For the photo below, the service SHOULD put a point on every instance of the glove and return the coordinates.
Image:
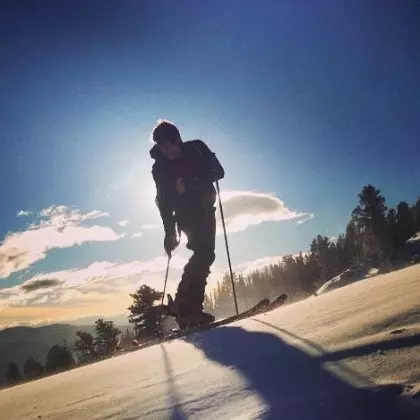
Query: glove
(170, 242)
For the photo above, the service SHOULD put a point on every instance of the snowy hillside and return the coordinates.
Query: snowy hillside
(410, 251)
(347, 354)
(408, 254)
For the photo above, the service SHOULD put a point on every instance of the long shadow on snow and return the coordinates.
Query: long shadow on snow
(174, 400)
(363, 350)
(294, 385)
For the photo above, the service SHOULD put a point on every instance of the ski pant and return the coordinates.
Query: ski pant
(200, 229)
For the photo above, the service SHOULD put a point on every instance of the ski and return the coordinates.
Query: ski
(170, 329)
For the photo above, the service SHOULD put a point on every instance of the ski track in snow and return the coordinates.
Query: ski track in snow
(348, 354)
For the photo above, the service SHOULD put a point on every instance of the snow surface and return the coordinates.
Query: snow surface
(348, 354)
(415, 238)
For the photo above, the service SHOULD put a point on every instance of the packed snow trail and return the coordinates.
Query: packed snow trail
(347, 354)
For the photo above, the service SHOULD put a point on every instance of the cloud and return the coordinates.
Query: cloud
(243, 209)
(106, 271)
(56, 227)
(95, 214)
(102, 285)
(64, 214)
(40, 284)
(22, 213)
(143, 228)
(97, 275)
(100, 289)
(308, 217)
(123, 223)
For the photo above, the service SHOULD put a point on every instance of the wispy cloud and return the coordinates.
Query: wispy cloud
(56, 227)
(64, 214)
(243, 209)
(123, 223)
(308, 217)
(95, 276)
(103, 285)
(22, 213)
(40, 284)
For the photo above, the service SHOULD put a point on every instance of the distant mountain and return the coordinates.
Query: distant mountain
(121, 319)
(17, 343)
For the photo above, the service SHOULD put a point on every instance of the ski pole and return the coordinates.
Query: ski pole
(166, 279)
(163, 296)
(227, 247)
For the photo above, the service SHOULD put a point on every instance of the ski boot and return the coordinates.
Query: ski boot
(195, 320)
(185, 319)
(167, 325)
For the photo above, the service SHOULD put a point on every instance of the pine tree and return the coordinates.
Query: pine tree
(84, 346)
(32, 369)
(143, 312)
(370, 219)
(208, 304)
(416, 214)
(325, 255)
(127, 337)
(404, 222)
(106, 337)
(223, 304)
(342, 258)
(59, 357)
(312, 273)
(370, 212)
(352, 244)
(13, 375)
(392, 228)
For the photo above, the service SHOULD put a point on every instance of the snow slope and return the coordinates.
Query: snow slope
(348, 354)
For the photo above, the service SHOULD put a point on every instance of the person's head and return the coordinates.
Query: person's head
(168, 139)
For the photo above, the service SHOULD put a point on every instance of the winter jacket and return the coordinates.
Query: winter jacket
(184, 186)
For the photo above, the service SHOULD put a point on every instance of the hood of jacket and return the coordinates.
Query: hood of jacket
(155, 153)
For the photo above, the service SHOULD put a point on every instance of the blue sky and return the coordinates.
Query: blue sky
(303, 103)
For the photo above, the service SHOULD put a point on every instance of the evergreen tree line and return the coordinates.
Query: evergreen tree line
(59, 357)
(86, 347)
(372, 237)
(90, 348)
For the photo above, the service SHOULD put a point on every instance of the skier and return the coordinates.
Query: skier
(184, 173)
